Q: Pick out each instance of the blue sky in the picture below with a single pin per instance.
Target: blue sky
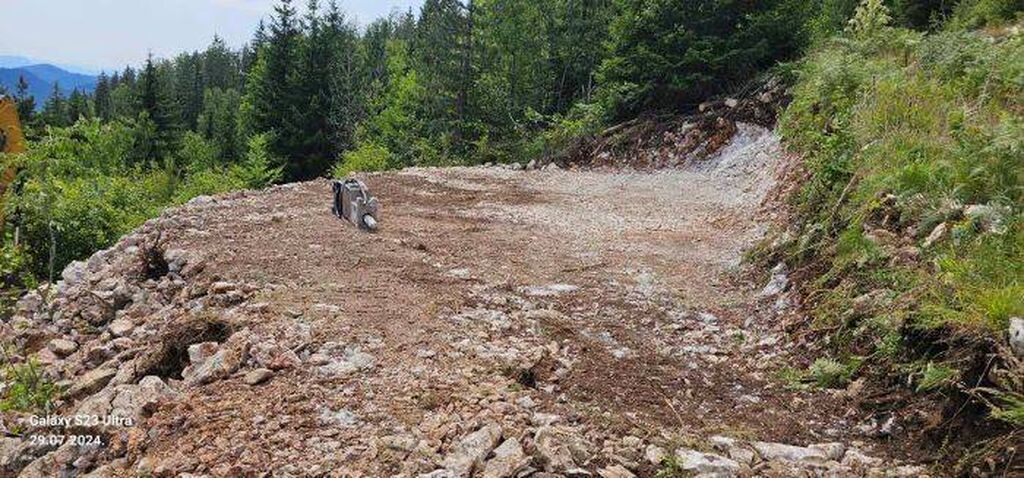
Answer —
(111, 33)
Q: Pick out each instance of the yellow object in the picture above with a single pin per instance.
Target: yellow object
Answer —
(12, 141)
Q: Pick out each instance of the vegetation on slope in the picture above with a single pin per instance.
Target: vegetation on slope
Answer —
(910, 225)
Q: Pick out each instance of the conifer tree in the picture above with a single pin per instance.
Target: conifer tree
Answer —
(78, 106)
(55, 112)
(26, 102)
(155, 108)
(101, 98)
(273, 99)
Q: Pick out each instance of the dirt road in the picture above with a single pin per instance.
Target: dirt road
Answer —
(588, 322)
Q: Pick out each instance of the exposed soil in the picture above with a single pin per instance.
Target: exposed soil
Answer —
(614, 300)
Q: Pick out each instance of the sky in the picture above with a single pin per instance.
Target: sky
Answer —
(108, 34)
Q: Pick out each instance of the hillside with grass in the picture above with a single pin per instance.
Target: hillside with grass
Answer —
(907, 230)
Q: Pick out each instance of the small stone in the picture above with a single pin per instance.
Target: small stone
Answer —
(121, 327)
(508, 460)
(470, 452)
(654, 454)
(731, 102)
(1017, 336)
(62, 347)
(706, 463)
(198, 353)
(936, 235)
(91, 382)
(258, 376)
(615, 471)
(779, 451)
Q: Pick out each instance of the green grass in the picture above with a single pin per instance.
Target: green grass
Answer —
(26, 389)
(901, 131)
(671, 468)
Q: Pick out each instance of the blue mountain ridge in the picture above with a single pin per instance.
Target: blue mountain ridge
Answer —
(41, 79)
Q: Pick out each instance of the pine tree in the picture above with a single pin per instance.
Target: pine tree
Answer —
(273, 102)
(442, 32)
(55, 112)
(220, 66)
(346, 80)
(188, 88)
(26, 102)
(155, 108)
(101, 98)
(315, 151)
(78, 106)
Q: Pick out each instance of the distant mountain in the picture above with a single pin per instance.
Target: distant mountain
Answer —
(41, 79)
(16, 61)
(10, 61)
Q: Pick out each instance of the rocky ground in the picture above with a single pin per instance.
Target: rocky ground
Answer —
(501, 323)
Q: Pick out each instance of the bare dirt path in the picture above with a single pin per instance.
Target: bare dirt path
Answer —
(586, 321)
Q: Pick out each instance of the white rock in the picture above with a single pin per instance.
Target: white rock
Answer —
(508, 460)
(707, 464)
(936, 235)
(654, 454)
(780, 451)
(62, 347)
(615, 471)
(1017, 336)
(121, 327)
(469, 454)
(258, 376)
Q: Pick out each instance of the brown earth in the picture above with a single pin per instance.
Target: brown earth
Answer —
(614, 301)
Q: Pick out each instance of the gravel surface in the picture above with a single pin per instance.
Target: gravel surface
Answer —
(590, 316)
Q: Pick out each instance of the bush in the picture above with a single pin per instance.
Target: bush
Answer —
(979, 13)
(258, 169)
(26, 389)
(368, 157)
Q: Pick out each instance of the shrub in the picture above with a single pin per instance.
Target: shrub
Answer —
(258, 169)
(368, 157)
(26, 389)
